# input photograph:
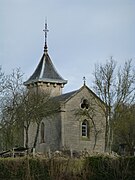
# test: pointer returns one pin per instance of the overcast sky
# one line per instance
(81, 34)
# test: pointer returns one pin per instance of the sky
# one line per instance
(82, 33)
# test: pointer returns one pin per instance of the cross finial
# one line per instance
(45, 31)
(84, 80)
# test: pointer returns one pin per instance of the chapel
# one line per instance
(80, 122)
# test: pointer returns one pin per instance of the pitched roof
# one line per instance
(45, 72)
(65, 97)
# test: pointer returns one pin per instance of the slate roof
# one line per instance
(45, 72)
(64, 97)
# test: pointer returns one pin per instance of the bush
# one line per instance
(107, 167)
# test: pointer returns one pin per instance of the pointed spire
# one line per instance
(45, 31)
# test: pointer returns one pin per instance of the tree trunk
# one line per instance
(27, 137)
(95, 141)
(110, 134)
(36, 136)
(106, 134)
(110, 139)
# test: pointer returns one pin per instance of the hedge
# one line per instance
(91, 168)
(104, 168)
(23, 168)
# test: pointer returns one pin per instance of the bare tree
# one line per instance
(2, 77)
(124, 128)
(20, 108)
(13, 91)
(40, 105)
(113, 88)
(2, 87)
(10, 99)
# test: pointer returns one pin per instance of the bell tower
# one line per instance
(45, 77)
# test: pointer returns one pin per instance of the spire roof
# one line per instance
(45, 72)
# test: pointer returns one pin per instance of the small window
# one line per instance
(85, 104)
(42, 132)
(85, 128)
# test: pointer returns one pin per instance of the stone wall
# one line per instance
(52, 134)
(71, 127)
(50, 88)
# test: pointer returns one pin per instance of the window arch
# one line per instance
(42, 132)
(85, 128)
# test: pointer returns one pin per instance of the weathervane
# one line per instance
(45, 31)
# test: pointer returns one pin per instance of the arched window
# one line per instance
(85, 128)
(42, 132)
